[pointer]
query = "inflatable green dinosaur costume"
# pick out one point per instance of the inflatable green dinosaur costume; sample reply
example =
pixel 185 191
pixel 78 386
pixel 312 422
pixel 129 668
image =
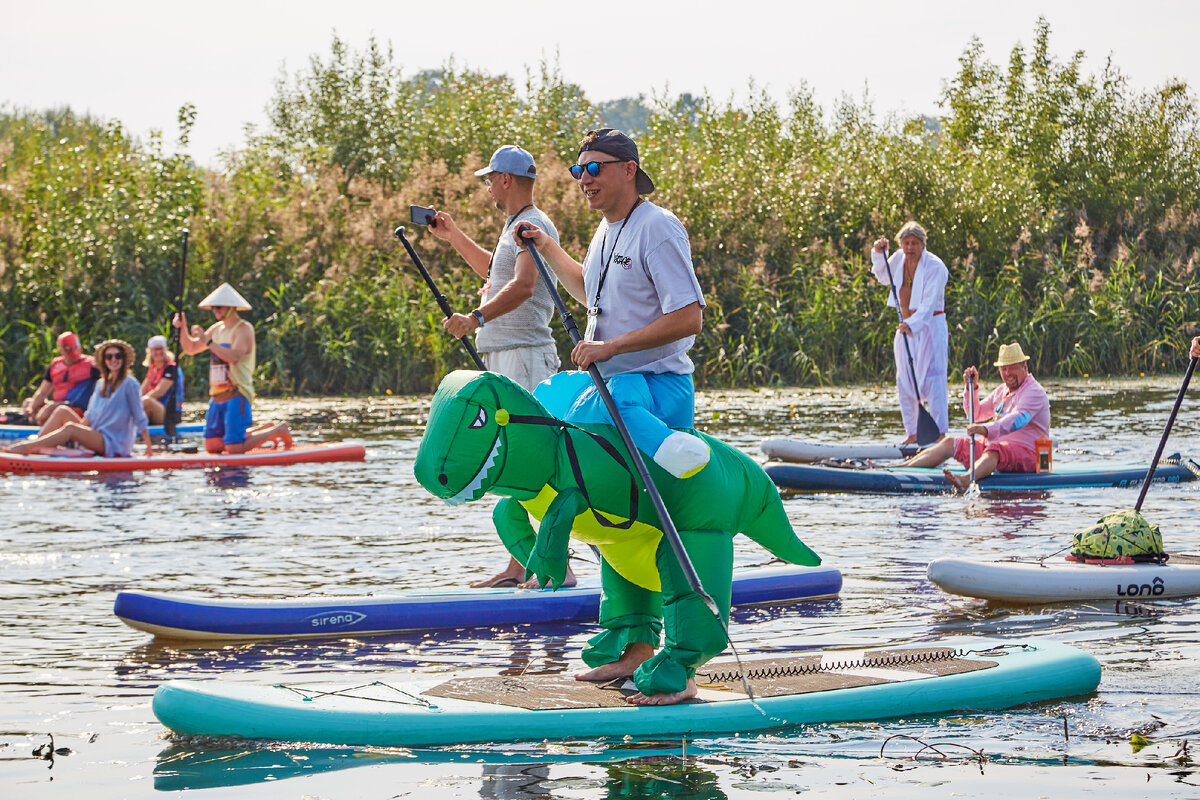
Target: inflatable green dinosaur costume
pixel 486 435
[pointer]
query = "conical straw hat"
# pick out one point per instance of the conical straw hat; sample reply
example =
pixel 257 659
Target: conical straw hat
pixel 225 295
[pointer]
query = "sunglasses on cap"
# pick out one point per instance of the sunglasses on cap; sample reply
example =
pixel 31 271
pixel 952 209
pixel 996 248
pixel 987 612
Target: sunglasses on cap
pixel 592 167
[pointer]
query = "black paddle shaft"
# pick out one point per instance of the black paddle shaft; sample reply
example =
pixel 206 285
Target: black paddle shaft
pixel 927 430
pixel 971 395
pixel 1162 443
pixel 442 302
pixel 182 282
pixel 664 516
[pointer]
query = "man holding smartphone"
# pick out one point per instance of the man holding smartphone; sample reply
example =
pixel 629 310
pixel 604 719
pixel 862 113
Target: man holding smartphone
pixel 512 322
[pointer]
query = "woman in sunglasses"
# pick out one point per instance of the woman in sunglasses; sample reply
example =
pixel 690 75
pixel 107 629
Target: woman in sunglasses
pixel 114 415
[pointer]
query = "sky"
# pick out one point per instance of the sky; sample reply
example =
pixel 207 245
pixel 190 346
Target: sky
pixel 138 61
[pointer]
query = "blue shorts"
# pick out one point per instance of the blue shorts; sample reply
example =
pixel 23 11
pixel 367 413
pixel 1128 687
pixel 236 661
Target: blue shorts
pixel 228 420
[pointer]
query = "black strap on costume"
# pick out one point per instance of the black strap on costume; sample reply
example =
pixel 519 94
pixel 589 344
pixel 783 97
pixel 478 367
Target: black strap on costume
pixel 576 471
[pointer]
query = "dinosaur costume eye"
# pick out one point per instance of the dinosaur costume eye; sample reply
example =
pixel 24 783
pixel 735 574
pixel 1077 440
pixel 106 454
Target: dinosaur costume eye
pixel 480 419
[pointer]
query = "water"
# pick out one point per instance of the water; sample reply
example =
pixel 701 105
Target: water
pixel 70 669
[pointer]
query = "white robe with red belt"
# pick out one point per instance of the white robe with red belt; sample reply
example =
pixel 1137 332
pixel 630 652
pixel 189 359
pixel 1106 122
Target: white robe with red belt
pixel 929 342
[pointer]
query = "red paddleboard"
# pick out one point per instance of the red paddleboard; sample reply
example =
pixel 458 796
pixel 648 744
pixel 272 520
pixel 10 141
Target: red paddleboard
pixel 267 456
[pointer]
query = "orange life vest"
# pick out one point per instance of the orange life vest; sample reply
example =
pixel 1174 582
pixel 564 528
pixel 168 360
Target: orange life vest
pixel 64 376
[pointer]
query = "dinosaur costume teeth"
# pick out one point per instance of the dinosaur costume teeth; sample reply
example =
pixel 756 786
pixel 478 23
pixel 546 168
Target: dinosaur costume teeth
pixel 474 490
pixel 487 435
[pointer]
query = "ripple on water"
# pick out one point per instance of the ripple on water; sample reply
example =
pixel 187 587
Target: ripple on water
pixel 69 544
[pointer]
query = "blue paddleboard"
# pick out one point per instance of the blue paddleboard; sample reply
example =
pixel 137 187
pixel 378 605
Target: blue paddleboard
pixel 25 431
pixel 821 478
pixel 197 617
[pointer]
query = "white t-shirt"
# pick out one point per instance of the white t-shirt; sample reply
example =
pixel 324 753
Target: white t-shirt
pixel 649 274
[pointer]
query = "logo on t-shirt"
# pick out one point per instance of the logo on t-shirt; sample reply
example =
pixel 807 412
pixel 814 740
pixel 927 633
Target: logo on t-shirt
pixel 626 262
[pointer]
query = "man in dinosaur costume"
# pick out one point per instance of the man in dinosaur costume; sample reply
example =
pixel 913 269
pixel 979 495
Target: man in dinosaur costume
pixel 486 434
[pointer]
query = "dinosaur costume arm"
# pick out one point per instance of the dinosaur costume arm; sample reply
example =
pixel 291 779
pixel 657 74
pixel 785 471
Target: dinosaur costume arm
pixel 549 558
pixel 512 524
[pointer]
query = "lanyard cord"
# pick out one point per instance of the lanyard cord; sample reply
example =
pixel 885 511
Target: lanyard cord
pixel 611 253
pixel 507 225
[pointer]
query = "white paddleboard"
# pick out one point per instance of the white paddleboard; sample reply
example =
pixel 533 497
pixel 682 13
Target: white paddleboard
pixel 804 451
pixel 1058 580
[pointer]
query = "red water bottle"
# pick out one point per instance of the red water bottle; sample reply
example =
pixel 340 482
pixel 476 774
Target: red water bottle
pixel 1045 454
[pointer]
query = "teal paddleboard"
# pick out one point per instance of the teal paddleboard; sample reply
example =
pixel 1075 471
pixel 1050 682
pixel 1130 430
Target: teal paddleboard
pixel 837 686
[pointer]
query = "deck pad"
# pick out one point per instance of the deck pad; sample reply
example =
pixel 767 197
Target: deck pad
pixel 721 681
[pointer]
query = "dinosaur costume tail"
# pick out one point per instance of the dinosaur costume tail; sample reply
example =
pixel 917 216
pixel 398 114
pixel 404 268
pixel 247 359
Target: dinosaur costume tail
pixel 773 530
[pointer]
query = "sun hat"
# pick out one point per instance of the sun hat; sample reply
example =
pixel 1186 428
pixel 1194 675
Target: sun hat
pixel 1010 354
pixel 121 343
pixel 511 159
pixel 158 340
pixel 615 143
pixel 225 295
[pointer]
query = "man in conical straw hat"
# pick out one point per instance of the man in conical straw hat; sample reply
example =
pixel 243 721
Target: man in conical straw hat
pixel 1011 420
pixel 230 342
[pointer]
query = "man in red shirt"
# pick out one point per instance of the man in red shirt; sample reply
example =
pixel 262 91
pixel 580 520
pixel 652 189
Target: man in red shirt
pixel 68 381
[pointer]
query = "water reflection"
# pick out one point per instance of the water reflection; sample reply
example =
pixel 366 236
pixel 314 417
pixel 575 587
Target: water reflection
pixel 512 650
pixel 228 478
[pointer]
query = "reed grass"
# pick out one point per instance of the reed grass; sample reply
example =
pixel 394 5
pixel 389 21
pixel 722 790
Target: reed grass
pixel 1067 214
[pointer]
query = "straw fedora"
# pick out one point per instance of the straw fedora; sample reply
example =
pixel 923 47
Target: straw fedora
pixel 225 295
pixel 1011 354
pixel 121 343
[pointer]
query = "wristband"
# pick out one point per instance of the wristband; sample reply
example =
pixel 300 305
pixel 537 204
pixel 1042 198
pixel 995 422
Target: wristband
pixel 478 315
pixel 209 342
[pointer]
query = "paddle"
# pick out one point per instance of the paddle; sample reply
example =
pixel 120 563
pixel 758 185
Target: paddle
pixel 169 419
pixel 1166 432
pixel 927 430
pixel 973 489
pixel 664 516
pixel 442 302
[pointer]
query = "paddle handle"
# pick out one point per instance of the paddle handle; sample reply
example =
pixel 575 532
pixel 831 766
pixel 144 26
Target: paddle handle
pixel 442 302
pixel 664 516
pixel 1162 443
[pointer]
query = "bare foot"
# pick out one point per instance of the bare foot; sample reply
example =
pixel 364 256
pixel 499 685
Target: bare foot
pixel 623 667
pixel 640 699
pixel 959 482
pixel 285 436
pixel 568 582
pixel 502 580
pixel 910 440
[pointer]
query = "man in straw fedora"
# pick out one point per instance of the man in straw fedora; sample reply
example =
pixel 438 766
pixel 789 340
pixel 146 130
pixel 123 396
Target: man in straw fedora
pixel 1017 414
pixel 230 342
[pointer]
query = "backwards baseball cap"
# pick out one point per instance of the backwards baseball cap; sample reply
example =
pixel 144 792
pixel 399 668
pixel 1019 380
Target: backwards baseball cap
pixel 69 342
pixel 511 159
pixel 617 144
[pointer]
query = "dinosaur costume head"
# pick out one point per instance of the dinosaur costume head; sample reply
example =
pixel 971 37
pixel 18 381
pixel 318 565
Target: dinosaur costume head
pixel 475 429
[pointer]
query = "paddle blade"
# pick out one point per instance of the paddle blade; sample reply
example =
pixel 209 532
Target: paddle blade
pixel 927 430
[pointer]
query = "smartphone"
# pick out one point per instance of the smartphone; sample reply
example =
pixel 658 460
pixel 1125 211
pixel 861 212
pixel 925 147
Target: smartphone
pixel 421 215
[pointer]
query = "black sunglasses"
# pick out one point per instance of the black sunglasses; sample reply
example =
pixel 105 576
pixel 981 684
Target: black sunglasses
pixel 592 167
pixel 114 355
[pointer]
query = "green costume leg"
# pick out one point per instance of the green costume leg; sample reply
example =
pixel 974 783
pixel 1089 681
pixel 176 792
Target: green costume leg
pixel 693 634
pixel 515 531
pixel 628 613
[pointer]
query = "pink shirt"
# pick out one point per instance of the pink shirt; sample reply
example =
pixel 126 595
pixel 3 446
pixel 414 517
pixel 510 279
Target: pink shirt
pixel 1021 417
